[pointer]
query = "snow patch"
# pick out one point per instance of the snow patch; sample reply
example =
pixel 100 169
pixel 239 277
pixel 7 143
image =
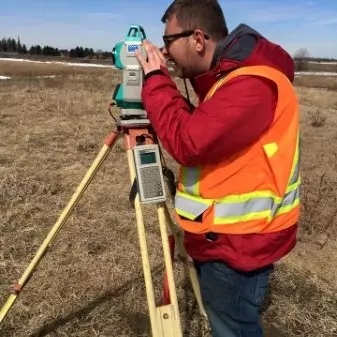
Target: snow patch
pixel 94 65
pixel 317 73
pixel 47 76
pixel 318 62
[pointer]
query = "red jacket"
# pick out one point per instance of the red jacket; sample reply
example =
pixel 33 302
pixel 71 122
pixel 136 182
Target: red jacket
pixel 233 119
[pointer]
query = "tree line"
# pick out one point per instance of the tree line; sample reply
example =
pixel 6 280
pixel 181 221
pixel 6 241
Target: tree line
pixel 11 45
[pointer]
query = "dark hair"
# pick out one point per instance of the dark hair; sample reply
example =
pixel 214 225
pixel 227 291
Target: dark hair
pixel 206 15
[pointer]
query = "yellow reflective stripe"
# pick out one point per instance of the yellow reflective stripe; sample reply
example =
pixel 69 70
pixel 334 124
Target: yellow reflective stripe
pixel 190 207
pixel 248 196
pixel 186 214
pixel 255 209
pixel 294 174
pixel 247 217
pixel 254 205
pixel 286 209
pixel 203 201
pixel 293 186
pixel 265 207
pixel 244 205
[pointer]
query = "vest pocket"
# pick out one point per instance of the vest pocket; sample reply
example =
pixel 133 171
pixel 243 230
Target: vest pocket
pixel 192 226
pixel 274 166
pixel 197 223
pixel 190 207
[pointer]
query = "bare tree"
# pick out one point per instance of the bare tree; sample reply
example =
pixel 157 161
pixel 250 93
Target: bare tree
pixel 301 58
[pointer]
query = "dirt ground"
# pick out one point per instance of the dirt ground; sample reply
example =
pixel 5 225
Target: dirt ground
pixel 90 282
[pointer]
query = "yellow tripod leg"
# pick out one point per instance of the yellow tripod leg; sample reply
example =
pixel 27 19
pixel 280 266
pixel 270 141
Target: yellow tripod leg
pixel 173 306
pixel 109 142
pixel 165 320
pixel 190 269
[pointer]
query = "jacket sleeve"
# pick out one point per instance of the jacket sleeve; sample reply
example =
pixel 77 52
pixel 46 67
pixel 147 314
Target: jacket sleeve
pixel 236 116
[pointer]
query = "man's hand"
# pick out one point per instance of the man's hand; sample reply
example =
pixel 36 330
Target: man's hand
pixel 155 57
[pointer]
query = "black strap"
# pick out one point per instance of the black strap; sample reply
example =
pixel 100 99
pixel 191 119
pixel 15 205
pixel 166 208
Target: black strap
pixel 133 193
pixel 211 236
pixel 170 178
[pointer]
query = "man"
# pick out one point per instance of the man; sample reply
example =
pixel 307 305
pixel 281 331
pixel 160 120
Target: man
pixel 238 193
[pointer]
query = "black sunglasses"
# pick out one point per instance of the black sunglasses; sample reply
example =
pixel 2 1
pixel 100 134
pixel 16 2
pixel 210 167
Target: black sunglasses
pixel 168 39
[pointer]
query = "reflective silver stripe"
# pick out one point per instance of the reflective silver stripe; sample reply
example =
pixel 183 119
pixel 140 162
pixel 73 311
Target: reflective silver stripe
pixel 290 197
pixel 192 207
pixel 235 209
pixel 263 206
pixel 191 180
pixel 296 173
pixel 254 205
pixel 288 200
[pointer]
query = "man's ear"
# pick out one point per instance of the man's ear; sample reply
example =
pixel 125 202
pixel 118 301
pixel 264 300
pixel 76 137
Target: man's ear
pixel 199 41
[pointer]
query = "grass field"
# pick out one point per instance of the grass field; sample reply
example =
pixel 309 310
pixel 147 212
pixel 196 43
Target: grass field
pixel 90 282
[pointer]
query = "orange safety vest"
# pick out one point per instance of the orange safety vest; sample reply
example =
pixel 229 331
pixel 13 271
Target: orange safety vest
pixel 256 190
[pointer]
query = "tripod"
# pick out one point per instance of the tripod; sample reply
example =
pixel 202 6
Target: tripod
pixel 165 319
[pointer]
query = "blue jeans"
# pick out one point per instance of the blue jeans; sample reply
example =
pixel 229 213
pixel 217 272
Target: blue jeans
pixel 233 299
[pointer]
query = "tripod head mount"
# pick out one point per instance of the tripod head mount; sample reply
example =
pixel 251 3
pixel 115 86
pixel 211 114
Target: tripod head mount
pixel 127 95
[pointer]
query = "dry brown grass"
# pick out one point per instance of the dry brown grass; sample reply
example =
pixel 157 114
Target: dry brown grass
pixel 327 66
pixel 21 70
pixel 319 82
pixel 90 282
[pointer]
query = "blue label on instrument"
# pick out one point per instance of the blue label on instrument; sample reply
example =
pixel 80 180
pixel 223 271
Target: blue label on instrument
pixel 132 48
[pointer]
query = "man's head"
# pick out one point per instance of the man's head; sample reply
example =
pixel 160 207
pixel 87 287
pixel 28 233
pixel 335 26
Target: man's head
pixel 193 29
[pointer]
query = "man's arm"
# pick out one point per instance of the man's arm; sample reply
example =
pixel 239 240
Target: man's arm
pixel 235 117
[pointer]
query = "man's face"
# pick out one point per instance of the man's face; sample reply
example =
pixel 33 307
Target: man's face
pixel 179 48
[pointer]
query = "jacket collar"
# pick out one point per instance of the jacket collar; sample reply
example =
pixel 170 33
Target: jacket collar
pixel 228 55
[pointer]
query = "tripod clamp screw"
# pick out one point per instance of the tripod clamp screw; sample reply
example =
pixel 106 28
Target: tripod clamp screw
pixel 140 139
pixel 16 288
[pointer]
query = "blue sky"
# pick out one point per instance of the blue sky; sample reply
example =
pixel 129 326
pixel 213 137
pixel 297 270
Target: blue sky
pixel 100 24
